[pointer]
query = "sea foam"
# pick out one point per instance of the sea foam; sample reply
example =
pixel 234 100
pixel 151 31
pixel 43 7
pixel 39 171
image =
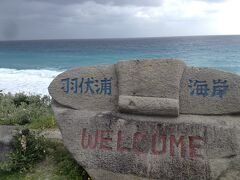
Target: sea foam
pixel 27 81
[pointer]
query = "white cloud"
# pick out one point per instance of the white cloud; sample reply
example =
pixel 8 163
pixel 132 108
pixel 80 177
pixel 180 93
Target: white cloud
pixel 227 18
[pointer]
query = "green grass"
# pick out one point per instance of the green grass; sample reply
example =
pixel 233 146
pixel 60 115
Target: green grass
pixel 65 165
pixel 11 176
pixel 42 123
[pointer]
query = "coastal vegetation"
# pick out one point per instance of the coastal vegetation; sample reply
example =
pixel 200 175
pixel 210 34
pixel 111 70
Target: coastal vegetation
pixel 35 156
pixel 32 111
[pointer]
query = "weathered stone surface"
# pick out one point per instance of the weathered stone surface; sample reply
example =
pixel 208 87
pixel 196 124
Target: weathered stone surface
pixel 198 90
pixel 224 100
pixel 150 78
pixel 51 134
pixel 149 147
pixel 115 120
pixel 86 88
pixel 232 171
pixel 6 138
pixel 103 174
pixel 148 105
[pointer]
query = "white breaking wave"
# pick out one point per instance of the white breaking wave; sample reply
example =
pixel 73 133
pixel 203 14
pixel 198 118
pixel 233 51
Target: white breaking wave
pixel 27 81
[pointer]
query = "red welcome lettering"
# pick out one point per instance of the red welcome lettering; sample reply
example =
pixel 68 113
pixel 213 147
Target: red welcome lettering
pixel 105 139
pixel 178 143
pixel 138 143
pixel 154 144
pixel 89 144
pixel 120 148
pixel 138 136
pixel 193 147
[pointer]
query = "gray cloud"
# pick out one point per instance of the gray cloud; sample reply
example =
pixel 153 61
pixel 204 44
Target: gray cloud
pixel 110 2
pixel 116 2
pixel 10 29
pixel 58 19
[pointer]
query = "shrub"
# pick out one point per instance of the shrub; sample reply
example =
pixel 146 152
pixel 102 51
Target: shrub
pixel 29 149
pixel 18 99
pixel 22 109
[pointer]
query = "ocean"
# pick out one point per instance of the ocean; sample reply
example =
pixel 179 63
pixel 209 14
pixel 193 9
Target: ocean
pixel 30 66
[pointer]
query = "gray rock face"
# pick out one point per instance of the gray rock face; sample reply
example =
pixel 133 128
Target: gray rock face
pixel 86 88
pixel 142 120
pixel 148 105
pixel 150 147
pixel 151 78
pixel 195 90
pixel 208 91
pixel 6 138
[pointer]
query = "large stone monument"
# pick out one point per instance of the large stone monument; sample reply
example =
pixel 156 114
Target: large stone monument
pixel 150 119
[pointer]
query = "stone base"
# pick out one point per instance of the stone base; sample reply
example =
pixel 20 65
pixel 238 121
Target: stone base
pixel 111 145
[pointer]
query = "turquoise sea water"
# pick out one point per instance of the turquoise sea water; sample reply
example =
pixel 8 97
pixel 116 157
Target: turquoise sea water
pixel 30 65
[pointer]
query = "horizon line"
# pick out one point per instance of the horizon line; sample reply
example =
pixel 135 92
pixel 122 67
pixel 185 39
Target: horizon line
pixel 116 38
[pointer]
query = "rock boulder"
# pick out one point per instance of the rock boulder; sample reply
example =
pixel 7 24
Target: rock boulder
pixel 150 119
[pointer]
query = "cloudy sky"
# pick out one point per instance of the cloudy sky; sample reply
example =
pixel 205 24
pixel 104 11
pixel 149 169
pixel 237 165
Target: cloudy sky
pixel 61 19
